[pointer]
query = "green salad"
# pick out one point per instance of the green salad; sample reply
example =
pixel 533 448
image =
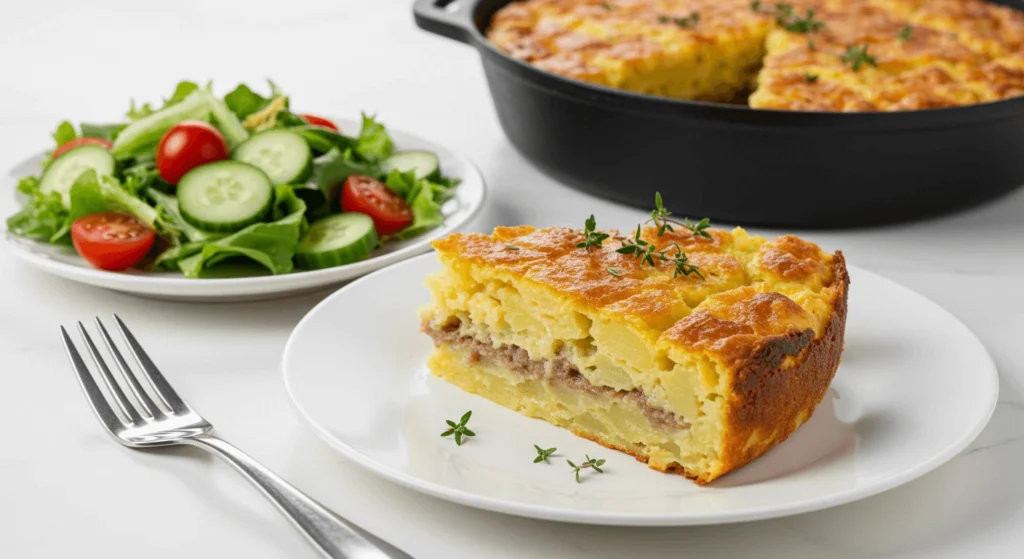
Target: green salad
pixel 202 181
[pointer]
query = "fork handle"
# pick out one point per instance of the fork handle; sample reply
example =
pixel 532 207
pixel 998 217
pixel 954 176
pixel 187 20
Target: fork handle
pixel 334 537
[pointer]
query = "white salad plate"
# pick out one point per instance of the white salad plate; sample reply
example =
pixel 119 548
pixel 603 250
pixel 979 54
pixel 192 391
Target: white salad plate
pixel 914 389
pixel 65 263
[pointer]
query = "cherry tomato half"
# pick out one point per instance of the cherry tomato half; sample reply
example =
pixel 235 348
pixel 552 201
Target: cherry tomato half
pixel 319 121
pixel 68 146
pixel 111 240
pixel 186 146
pixel 389 212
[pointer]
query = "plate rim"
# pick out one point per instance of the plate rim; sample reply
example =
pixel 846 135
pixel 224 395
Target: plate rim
pixel 766 512
pixel 215 288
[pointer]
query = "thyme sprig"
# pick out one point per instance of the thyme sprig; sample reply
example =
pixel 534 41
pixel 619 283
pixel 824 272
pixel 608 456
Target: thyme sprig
pixel 542 454
pixel 857 56
pixel 660 218
pixel 787 17
pixel 685 22
pixel 639 248
pixel 459 429
pixel 591 237
pixel 647 253
pixel 590 463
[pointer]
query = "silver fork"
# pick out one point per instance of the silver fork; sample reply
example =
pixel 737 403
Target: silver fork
pixel 167 420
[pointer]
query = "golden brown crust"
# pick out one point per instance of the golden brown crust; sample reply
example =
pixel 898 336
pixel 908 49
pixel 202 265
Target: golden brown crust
pixel 767 403
pixel 551 257
pixel 926 54
pixel 769 400
pixel 737 325
pixel 775 337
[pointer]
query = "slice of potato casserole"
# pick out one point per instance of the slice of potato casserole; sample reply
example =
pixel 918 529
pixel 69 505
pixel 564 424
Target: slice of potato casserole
pixel 694 375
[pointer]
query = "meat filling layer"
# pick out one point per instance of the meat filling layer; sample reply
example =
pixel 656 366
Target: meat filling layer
pixel 558 370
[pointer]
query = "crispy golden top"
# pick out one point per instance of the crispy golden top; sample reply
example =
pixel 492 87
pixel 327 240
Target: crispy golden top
pixel 923 53
pixel 751 286
pixel 573 37
pixel 734 324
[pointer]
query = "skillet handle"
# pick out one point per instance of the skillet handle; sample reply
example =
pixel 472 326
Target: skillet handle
pixel 448 18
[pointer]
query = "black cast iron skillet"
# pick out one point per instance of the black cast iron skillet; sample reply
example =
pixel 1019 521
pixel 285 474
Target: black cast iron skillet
pixel 743 165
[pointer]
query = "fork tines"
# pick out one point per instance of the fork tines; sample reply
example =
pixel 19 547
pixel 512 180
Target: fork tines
pixel 145 404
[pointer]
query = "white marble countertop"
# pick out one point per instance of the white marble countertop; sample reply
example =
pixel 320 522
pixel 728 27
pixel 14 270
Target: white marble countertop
pixel 66 490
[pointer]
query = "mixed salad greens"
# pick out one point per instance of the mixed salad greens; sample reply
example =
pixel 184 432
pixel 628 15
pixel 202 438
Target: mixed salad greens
pixel 202 180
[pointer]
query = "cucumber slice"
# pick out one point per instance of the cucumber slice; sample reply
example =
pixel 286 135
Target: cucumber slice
pixel 225 196
pixel 423 164
pixel 336 240
pixel 65 170
pixel 283 155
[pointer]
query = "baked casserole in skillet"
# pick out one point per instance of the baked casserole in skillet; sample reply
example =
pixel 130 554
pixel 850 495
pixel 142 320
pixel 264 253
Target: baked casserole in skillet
pixel 819 55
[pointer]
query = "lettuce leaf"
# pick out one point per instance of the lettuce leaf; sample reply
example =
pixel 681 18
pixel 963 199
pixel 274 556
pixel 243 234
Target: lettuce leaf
pixel 243 101
pixel 42 217
pixel 322 140
pixel 271 245
pixel 140 174
pixel 332 168
pixel 171 258
pixel 45 218
pixel 64 133
pixel 107 132
pixel 181 91
pixel 91 194
pixel 424 198
pixel 373 143
pixel 226 121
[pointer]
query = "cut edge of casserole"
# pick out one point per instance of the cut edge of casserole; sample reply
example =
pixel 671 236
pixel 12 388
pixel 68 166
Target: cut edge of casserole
pixel 693 376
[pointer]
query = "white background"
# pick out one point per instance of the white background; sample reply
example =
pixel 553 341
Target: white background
pixel 66 490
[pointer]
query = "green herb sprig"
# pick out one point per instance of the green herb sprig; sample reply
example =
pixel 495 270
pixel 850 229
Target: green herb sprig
pixel 591 237
pixel 680 263
pixel 639 248
pixel 810 78
pixel 905 34
pixel 648 254
pixel 511 247
pixel 542 454
pixel 857 56
pixel 660 218
pixel 686 22
pixel 590 463
pixel 786 16
pixel 459 429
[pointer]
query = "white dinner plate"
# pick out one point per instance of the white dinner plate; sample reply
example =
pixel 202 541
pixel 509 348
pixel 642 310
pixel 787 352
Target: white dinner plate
pixel 469 197
pixel 915 388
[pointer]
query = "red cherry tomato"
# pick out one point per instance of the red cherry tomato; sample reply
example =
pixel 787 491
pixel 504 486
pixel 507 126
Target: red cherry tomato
pixel 67 146
pixel 186 146
pixel 366 195
pixel 319 121
pixel 111 240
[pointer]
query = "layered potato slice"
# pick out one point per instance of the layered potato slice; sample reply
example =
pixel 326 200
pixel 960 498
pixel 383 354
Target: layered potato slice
pixel 692 375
